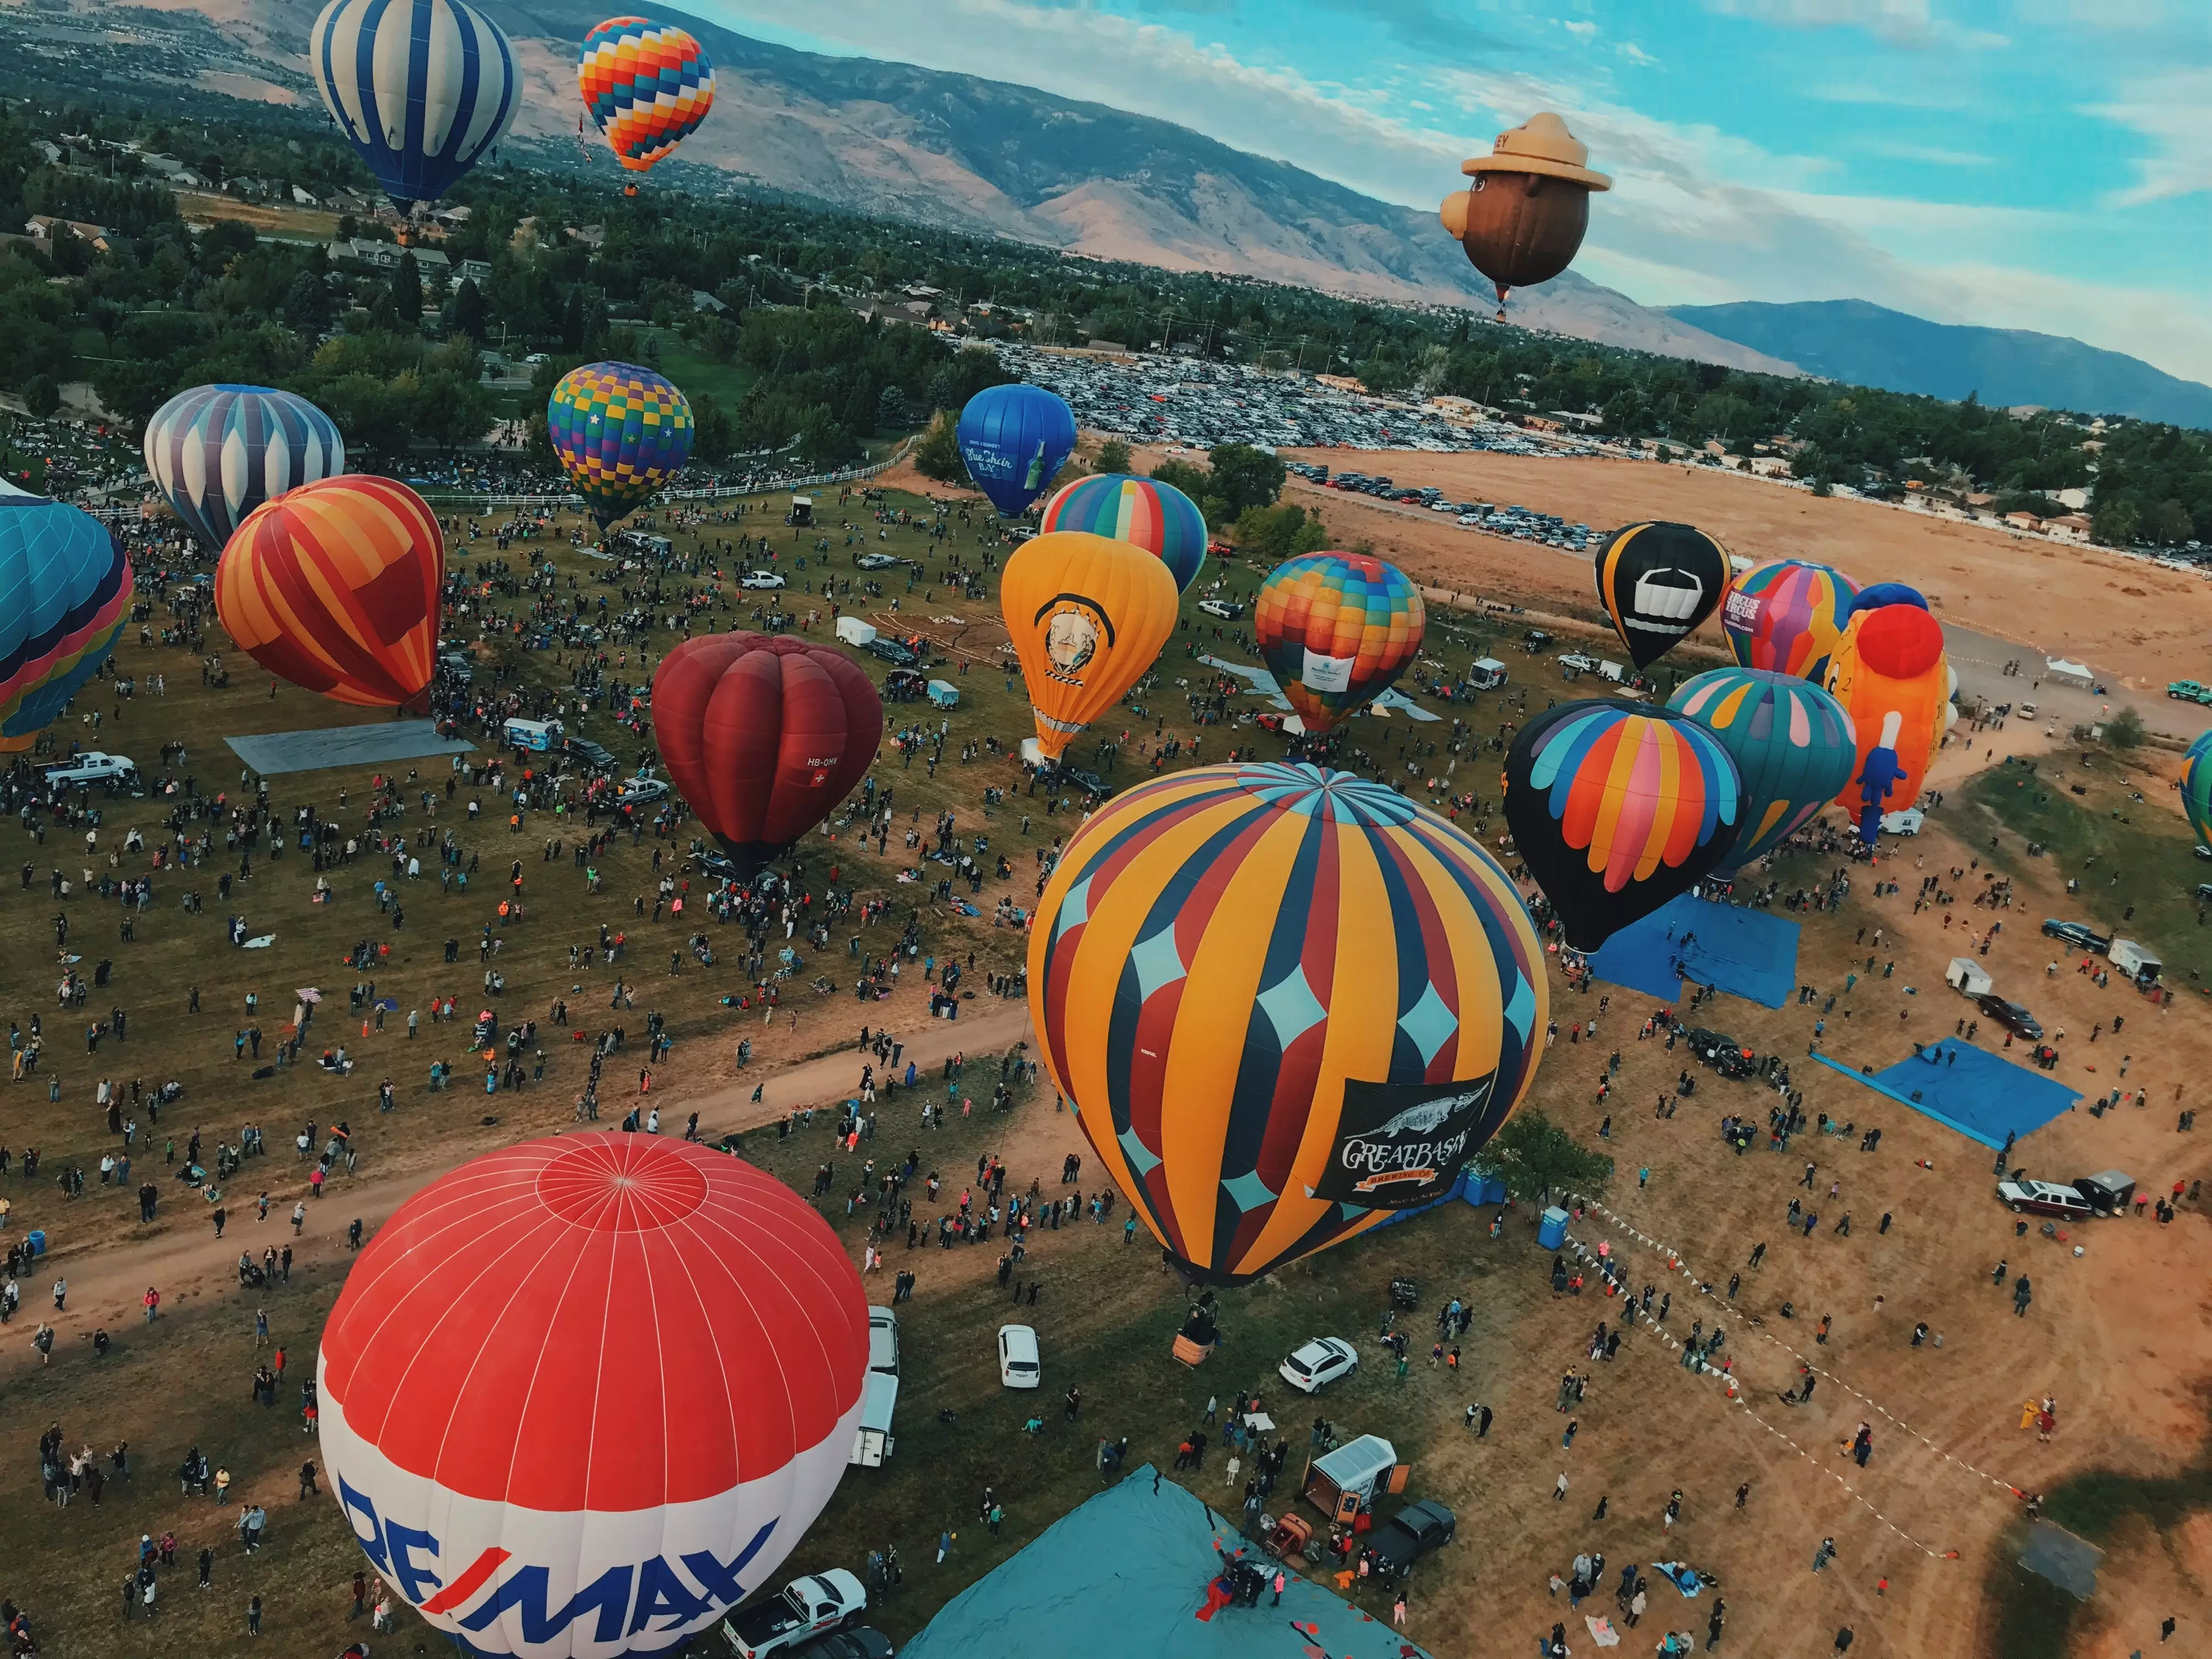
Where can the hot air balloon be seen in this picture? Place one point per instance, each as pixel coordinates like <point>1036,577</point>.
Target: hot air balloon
<point>1522,221</point>
<point>216,452</point>
<point>1786,616</point>
<point>65,587</point>
<point>1157,517</point>
<point>648,86</point>
<point>1882,593</point>
<point>1890,674</point>
<point>1014,439</point>
<point>1087,615</point>
<point>2196,788</point>
<point>622,431</point>
<point>1335,629</point>
<point>1284,1002</point>
<point>334,585</point>
<point>1617,808</point>
<point>1793,747</point>
<point>763,735</point>
<point>581,1396</point>
<point>422,88</point>
<point>1658,581</point>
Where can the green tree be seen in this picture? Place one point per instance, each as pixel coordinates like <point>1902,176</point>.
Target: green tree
<point>891,410</point>
<point>2168,523</point>
<point>1195,481</point>
<point>1278,532</point>
<point>307,304</point>
<point>407,289</point>
<point>1112,456</point>
<point>2116,522</point>
<point>1538,1158</point>
<point>42,395</point>
<point>938,455</point>
<point>2124,731</point>
<point>1244,477</point>
<point>467,315</point>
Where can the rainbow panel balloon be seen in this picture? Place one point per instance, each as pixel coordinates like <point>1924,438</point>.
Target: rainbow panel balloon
<point>622,431</point>
<point>1785,617</point>
<point>65,587</point>
<point>648,86</point>
<point>1336,628</point>
<point>2196,788</point>
<point>1793,745</point>
<point>1157,517</point>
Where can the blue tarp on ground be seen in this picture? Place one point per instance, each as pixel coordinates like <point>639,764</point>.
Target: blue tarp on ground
<point>1981,1096</point>
<point>1745,953</point>
<point>1126,1573</point>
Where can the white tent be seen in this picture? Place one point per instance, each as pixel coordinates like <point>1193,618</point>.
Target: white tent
<point>2073,673</point>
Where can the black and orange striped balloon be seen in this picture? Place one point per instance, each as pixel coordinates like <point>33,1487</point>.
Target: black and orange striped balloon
<point>1284,1002</point>
<point>334,587</point>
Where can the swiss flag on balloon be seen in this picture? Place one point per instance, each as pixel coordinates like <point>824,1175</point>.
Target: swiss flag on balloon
<point>821,776</point>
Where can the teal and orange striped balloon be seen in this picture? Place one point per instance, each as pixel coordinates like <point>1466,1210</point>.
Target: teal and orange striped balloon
<point>1157,517</point>
<point>1617,808</point>
<point>2196,788</point>
<point>1335,629</point>
<point>1285,1003</point>
<point>1794,746</point>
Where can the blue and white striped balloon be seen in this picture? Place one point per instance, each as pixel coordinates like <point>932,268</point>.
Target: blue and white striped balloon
<point>421,88</point>
<point>218,451</point>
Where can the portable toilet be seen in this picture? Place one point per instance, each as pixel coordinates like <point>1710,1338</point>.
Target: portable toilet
<point>1551,1230</point>
<point>36,1241</point>
<point>943,694</point>
<point>1968,978</point>
<point>1345,1483</point>
<point>854,632</point>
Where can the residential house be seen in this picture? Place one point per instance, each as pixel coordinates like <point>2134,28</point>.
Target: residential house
<point>2068,527</point>
<point>45,227</point>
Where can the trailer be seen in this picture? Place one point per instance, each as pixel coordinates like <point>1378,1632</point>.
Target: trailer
<point>1343,1485</point>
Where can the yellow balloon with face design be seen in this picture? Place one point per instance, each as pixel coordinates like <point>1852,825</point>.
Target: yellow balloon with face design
<point>1088,615</point>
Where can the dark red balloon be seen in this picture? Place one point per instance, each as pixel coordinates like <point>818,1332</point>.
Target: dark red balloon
<point>762,735</point>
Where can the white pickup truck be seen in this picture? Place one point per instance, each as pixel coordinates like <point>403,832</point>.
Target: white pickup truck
<point>807,1606</point>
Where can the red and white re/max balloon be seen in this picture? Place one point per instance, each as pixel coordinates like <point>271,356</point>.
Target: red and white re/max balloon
<point>581,1396</point>
<point>764,734</point>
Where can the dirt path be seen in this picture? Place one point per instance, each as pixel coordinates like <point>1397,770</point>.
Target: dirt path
<point>106,1286</point>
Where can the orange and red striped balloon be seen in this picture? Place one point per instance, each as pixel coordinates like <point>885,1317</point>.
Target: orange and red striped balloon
<point>334,587</point>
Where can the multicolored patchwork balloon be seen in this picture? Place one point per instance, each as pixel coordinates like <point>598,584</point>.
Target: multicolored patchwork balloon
<point>1335,629</point>
<point>1157,517</point>
<point>1284,1002</point>
<point>1785,617</point>
<point>622,431</point>
<point>65,587</point>
<point>648,86</point>
<point>1793,745</point>
<point>216,453</point>
<point>1617,808</point>
<point>335,587</point>
<point>2196,788</point>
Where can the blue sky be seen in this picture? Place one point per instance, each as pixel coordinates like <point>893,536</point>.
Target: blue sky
<point>2043,164</point>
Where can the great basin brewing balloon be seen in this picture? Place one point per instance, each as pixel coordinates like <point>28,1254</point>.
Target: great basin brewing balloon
<point>581,1396</point>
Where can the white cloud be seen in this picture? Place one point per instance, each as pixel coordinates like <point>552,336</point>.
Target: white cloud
<point>2169,110</point>
<point>1581,31</point>
<point>1933,155</point>
<point>1635,54</point>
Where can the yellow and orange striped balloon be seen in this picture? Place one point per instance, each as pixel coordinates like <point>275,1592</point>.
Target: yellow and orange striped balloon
<point>334,587</point>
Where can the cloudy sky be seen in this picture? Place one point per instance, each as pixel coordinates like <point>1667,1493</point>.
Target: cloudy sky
<point>2041,164</point>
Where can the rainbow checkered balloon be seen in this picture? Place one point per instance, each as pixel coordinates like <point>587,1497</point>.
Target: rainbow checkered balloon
<point>1157,517</point>
<point>622,431</point>
<point>1335,629</point>
<point>647,85</point>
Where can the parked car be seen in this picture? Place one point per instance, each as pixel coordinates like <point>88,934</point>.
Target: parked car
<point>878,560</point>
<point>2010,1015</point>
<point>2043,1198</point>
<point>1721,1052</point>
<point>1018,1364</point>
<point>592,757</point>
<point>861,1643</point>
<point>715,865</point>
<point>1089,783</point>
<point>2204,892</point>
<point>760,578</point>
<point>1411,1533</point>
<point>641,791</point>
<point>1227,610</point>
<point>91,767</point>
<point>1318,1363</point>
<point>906,682</point>
<point>894,651</point>
<point>2075,933</point>
<point>806,1607</point>
<point>1575,662</point>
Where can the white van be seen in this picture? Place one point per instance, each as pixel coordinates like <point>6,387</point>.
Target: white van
<point>90,767</point>
<point>1487,674</point>
<point>873,1441</point>
<point>541,735</point>
<point>882,1341</point>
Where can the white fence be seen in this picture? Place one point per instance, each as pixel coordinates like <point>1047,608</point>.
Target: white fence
<point>465,502</point>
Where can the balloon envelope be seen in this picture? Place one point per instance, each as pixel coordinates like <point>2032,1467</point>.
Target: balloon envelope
<point>581,1394</point>
<point>1786,616</point>
<point>1519,229</point>
<point>1087,615</point>
<point>2196,788</point>
<point>65,588</point>
<point>1890,674</point>
<point>1792,744</point>
<point>1658,581</point>
<point>1335,629</point>
<point>1882,593</point>
<point>1617,808</point>
<point>1014,439</point>
<point>646,85</point>
<point>216,453</point>
<point>622,431</point>
<point>421,89</point>
<point>1284,1002</point>
<point>763,735</point>
<point>1157,517</point>
<point>334,585</point>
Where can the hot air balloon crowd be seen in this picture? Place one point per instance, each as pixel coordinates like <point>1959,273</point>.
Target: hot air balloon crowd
<point>586,1391</point>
